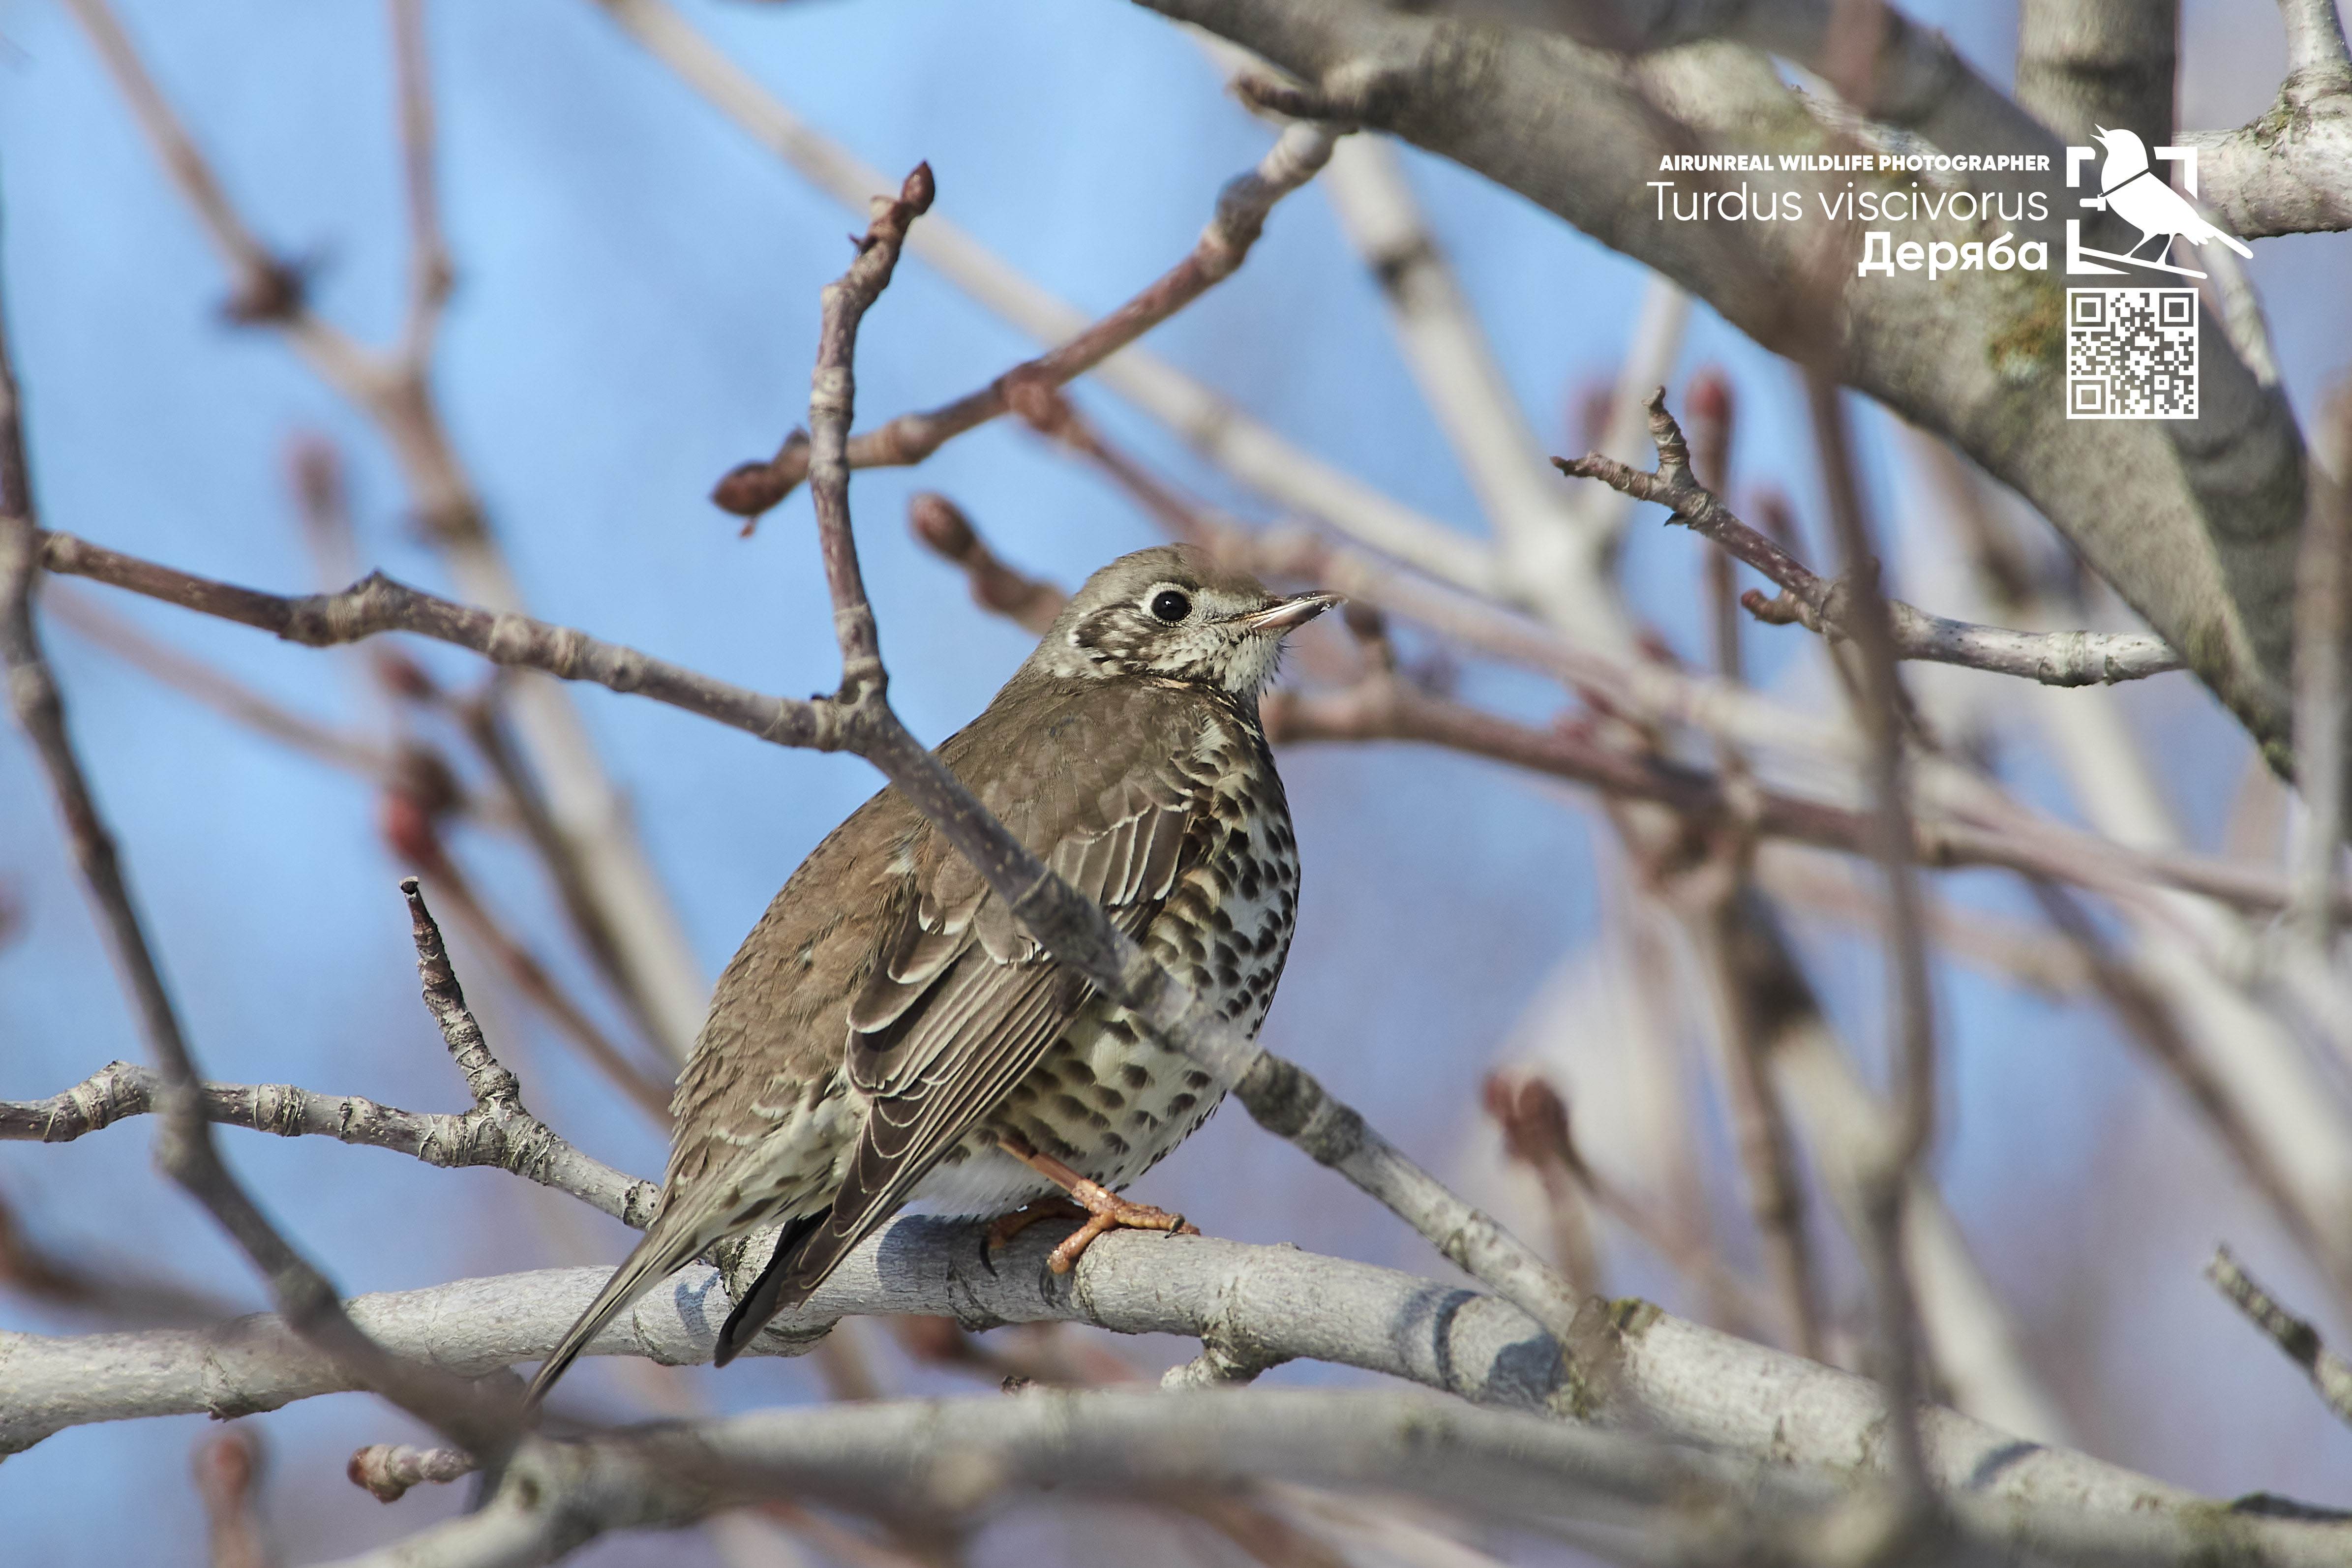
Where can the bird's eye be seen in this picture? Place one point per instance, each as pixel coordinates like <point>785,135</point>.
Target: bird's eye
<point>1170,606</point>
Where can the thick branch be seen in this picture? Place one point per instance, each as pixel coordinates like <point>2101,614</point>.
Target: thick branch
<point>947,1460</point>
<point>1627,1365</point>
<point>1826,604</point>
<point>2199,540</point>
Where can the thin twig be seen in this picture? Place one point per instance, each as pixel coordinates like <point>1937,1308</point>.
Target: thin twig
<point>1027,602</point>
<point>1538,1134</point>
<point>1830,606</point>
<point>107,1291</point>
<point>1761,995</point>
<point>750,488</point>
<point>1887,1174</point>
<point>221,692</point>
<point>1533,1119</point>
<point>498,1134</point>
<point>2151,1020</point>
<point>430,274</point>
<point>2330,1374</point>
<point>528,975</point>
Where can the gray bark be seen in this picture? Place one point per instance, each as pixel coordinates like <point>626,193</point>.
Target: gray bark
<point>2194,523</point>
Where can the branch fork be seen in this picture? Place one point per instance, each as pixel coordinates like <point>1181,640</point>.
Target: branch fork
<point>1826,605</point>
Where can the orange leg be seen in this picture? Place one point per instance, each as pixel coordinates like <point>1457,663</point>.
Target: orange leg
<point>1105,1210</point>
<point>1004,1227</point>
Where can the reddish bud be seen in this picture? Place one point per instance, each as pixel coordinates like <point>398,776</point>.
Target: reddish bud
<point>1533,1118</point>
<point>941,526</point>
<point>750,488</point>
<point>1708,396</point>
<point>404,676</point>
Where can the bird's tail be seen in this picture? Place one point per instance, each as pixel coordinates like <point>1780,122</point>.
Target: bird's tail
<point>2245,250</point>
<point>664,1251</point>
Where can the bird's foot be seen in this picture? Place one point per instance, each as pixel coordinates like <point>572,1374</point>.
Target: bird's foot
<point>1004,1227</point>
<point>1106,1211</point>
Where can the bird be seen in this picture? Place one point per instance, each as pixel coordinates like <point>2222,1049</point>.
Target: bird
<point>887,1032</point>
<point>2130,187</point>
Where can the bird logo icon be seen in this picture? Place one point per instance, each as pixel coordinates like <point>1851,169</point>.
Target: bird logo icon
<point>2130,187</point>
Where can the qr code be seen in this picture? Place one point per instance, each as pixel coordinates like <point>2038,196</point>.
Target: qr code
<point>2131,353</point>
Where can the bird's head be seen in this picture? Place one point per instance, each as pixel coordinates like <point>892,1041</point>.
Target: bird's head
<point>1168,612</point>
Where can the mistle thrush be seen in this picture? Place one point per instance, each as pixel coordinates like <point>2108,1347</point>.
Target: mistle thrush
<point>888,1033</point>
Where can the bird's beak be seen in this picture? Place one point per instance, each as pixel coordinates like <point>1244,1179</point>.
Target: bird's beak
<point>1288,615</point>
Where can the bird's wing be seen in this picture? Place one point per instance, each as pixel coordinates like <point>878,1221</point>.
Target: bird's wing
<point>962,1002</point>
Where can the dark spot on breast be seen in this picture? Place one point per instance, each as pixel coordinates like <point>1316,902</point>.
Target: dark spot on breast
<point>1196,1080</point>
<point>1183,1103</point>
<point>1137,1077</point>
<point>1109,1097</point>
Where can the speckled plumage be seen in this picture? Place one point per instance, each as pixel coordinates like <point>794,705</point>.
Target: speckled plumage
<point>887,1019</point>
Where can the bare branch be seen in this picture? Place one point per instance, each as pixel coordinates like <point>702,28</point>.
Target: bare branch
<point>103,1290</point>
<point>497,1132</point>
<point>2286,172</point>
<point>1241,213</point>
<point>2330,1374</point>
<point>643,1088</point>
<point>1828,606</point>
<point>1625,1363</point>
<point>1219,431</point>
<point>1761,996</point>
<point>378,604</point>
<point>664,984</point>
<point>1533,1119</point>
<point>184,1150</point>
<point>430,274</point>
<point>927,1459</point>
<point>224,694</point>
<point>1027,602</point>
<point>1888,1172</point>
<point>267,288</point>
<point>1614,1494</point>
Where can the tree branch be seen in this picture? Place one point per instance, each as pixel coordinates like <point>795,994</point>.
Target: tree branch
<point>498,1133</point>
<point>2330,1374</point>
<point>393,390</point>
<point>184,1150</point>
<point>1827,605</point>
<point>750,488</point>
<point>1580,130</point>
